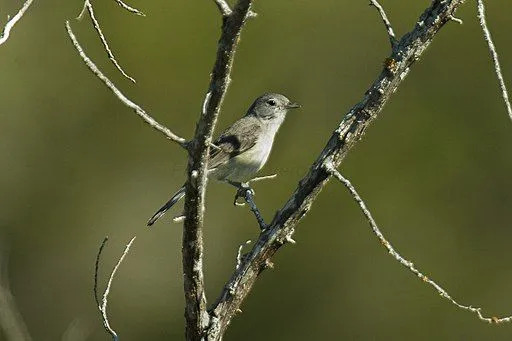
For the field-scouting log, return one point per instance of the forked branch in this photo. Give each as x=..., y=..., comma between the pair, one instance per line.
x=97, y=27
x=351, y=129
x=125, y=100
x=102, y=306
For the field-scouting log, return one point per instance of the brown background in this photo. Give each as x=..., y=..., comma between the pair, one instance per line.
x=435, y=169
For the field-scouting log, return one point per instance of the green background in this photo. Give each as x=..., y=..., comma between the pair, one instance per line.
x=435, y=169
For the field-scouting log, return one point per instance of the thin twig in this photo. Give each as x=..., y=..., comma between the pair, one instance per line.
x=129, y=9
x=385, y=20
x=11, y=22
x=239, y=253
x=494, y=55
x=138, y=110
x=408, y=264
x=96, y=270
x=96, y=25
x=103, y=306
x=224, y=8
x=263, y=177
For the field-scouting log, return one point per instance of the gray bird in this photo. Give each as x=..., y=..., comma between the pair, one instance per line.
x=243, y=148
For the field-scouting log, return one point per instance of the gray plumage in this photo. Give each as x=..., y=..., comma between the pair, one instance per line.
x=243, y=148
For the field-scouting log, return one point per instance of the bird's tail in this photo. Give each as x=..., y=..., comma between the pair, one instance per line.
x=174, y=199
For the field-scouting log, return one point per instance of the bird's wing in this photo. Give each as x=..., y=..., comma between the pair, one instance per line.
x=238, y=138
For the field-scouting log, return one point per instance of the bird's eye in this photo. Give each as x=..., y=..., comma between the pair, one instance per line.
x=271, y=102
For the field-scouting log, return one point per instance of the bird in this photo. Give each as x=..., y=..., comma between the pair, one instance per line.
x=243, y=148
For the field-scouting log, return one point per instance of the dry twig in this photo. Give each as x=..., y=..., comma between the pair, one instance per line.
x=408, y=264
x=102, y=307
x=12, y=21
x=385, y=20
x=125, y=100
x=97, y=27
x=129, y=8
x=494, y=55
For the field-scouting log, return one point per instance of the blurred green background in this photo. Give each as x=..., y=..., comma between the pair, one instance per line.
x=435, y=169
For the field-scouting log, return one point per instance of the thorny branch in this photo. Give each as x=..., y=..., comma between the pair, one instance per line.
x=408, y=264
x=125, y=100
x=494, y=55
x=351, y=129
x=4, y=35
x=97, y=27
x=104, y=301
x=196, y=316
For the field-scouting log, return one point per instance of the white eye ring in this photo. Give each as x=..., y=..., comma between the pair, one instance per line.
x=271, y=102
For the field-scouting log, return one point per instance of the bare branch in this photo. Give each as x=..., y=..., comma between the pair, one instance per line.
x=11, y=22
x=263, y=177
x=96, y=25
x=385, y=20
x=138, y=110
x=408, y=264
x=224, y=8
x=350, y=130
x=103, y=306
x=129, y=9
x=196, y=316
x=494, y=55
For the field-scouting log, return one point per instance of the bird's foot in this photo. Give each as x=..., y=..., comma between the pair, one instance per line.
x=245, y=192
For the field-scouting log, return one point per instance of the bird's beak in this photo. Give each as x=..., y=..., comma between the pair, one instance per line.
x=293, y=105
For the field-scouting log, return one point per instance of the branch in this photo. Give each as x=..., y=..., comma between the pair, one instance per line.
x=125, y=100
x=494, y=55
x=351, y=129
x=129, y=9
x=196, y=317
x=96, y=25
x=408, y=264
x=387, y=23
x=10, y=23
x=103, y=306
x=224, y=8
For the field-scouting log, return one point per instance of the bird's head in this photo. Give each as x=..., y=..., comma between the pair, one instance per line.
x=271, y=107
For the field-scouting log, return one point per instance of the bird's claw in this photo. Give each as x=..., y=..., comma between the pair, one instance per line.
x=242, y=192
